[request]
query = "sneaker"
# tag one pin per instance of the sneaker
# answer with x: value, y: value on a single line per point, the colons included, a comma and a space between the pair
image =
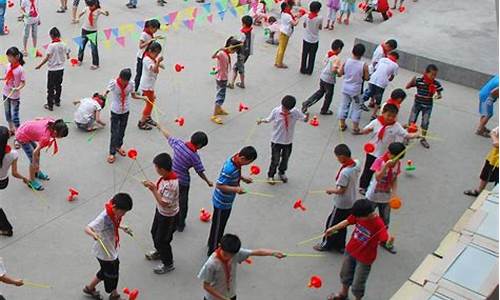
x: 151, y: 122
x: 35, y: 185
x: 271, y: 180
x: 319, y: 248
x: 47, y: 107
x: 425, y: 143
x: 363, y: 107
x: 283, y: 178
x: 230, y: 86
x: 162, y: 269
x: 152, y: 255
x: 389, y: 247
x: 42, y: 176
x: 326, y: 113
x: 92, y: 293
x: 58, y: 104
x: 143, y: 126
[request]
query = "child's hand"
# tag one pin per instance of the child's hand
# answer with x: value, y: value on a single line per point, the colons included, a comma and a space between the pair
x: 18, y: 282
x: 391, y: 163
x: 260, y: 121
x: 38, y: 67
x: 210, y: 183
x: 330, y: 191
x: 330, y: 231
x: 127, y: 230
x: 159, y: 59
x: 150, y: 185
x: 246, y: 180
x: 240, y: 190
x: 279, y: 254
x: 96, y: 236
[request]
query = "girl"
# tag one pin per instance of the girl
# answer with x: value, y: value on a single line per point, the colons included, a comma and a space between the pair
x: 333, y: 7
x: 36, y: 135
x: 29, y: 9
x: 259, y: 13
x: 150, y: 69
x: 346, y: 8
x: 8, y: 160
x: 89, y: 31
x: 147, y: 37
x: 15, y: 80
x: 288, y: 21
x: 89, y: 112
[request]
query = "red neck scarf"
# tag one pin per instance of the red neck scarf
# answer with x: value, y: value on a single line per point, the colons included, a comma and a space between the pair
x: 123, y: 95
x: 33, y: 10
x: 431, y: 84
x: 246, y: 29
x: 116, y: 221
x: 384, y: 48
x: 149, y: 32
x: 330, y: 53
x: 10, y: 73
x: 228, y: 55
x: 191, y: 146
x: 349, y: 163
x: 99, y: 101
x: 312, y: 15
x: 384, y: 123
x: 56, y: 40
x: 386, y: 157
x: 285, y: 118
x: 394, y: 102
x: 169, y: 176
x: 392, y: 58
x: 148, y: 54
x: 91, y: 16
x: 288, y: 10
x: 226, y: 264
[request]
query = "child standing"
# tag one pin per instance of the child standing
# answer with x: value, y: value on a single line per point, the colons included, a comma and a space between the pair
x: 226, y: 188
x: 150, y: 68
x: 288, y: 21
x: 347, y: 7
x: 361, y: 251
x: 313, y: 24
x: 88, y: 112
x: 57, y: 53
x: 244, y: 52
x: 428, y: 88
x: 29, y: 9
x: 355, y: 71
x: 343, y: 199
x: 327, y: 80
x: 284, y: 118
x: 333, y: 7
x: 258, y: 12
x: 219, y: 271
x: 105, y: 232
x: 166, y: 194
x: 15, y: 80
x: 89, y: 27
x: 146, y: 38
x: 186, y: 157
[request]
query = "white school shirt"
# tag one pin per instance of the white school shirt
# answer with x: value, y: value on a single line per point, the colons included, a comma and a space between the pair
x: 58, y: 52
x: 86, y: 110
x: 377, y: 55
x: 148, y: 77
x: 145, y: 37
x: 282, y: 135
x: 114, y: 97
x: 386, y: 68
x: 393, y: 133
x: 327, y: 74
x: 86, y: 23
x: 104, y: 228
x: 311, y: 32
x: 286, y: 26
x: 7, y: 161
x: 26, y: 7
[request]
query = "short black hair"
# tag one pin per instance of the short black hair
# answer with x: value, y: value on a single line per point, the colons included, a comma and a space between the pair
x: 392, y: 43
x: 248, y: 152
x: 122, y: 201
x: 362, y: 208
x: 391, y: 108
x: 126, y: 74
x: 342, y: 150
x: 431, y: 67
x: 288, y: 102
x: 163, y: 161
x: 337, y: 44
x: 230, y: 243
x: 358, y: 50
x: 199, y: 139
x: 283, y: 5
x: 247, y: 20
x: 54, y: 32
x: 395, y: 54
x: 154, y: 47
x: 396, y: 148
x: 153, y: 23
x: 315, y: 6
x: 398, y: 94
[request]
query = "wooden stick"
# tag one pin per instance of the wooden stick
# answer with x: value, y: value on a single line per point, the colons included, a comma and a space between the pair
x: 36, y: 285
x: 303, y: 255
x: 317, y: 192
x: 267, y: 181
x: 311, y: 239
x: 259, y: 194
x: 104, y: 247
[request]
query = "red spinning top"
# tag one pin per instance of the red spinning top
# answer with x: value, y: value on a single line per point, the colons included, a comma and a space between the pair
x: 178, y: 68
x: 205, y: 216
x: 302, y: 11
x: 73, y: 61
x: 402, y: 9
x: 132, y: 294
x: 6, y: 29
x: 314, y: 121
x: 389, y: 13
x: 315, y: 282
x: 369, y: 147
x: 395, y: 203
x: 73, y: 193
x: 132, y: 153
x: 254, y: 170
x: 242, y: 107
x: 10, y: 4
x: 7, y: 149
x: 180, y: 121
x: 299, y: 205
x: 412, y: 128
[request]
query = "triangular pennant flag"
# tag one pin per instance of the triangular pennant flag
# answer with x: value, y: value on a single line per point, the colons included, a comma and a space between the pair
x: 123, y: 29
x: 235, y: 3
x: 195, y: 12
x: 210, y: 18
x: 45, y: 46
x: 140, y: 24
x: 32, y: 52
x: 189, y: 24
x: 115, y: 31
x: 219, y: 5
x: 167, y: 19
x: 221, y: 15
x: 208, y: 7
x: 188, y: 12
x: 107, y: 44
x: 232, y: 10
x: 107, y: 33
x: 224, y: 3
x: 121, y: 41
x: 172, y: 16
x: 92, y: 37
x: 200, y: 19
x: 78, y: 41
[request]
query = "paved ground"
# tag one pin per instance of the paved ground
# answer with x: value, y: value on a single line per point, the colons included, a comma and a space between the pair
x: 49, y: 244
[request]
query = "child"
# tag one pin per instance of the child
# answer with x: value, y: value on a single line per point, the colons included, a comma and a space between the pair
x: 166, y: 194
x: 313, y: 24
x: 57, y: 53
x: 89, y: 27
x: 150, y: 68
x: 387, y: 68
x: 397, y: 98
x: 284, y: 118
x: 488, y: 95
x: 428, y: 88
x: 186, y: 157
x: 226, y: 188
x: 489, y: 173
x: 7, y: 279
x: 343, y: 199
x: 223, y: 57
x: 29, y: 9
x: 272, y: 30
x: 287, y: 21
x: 36, y: 135
x: 327, y: 80
x: 120, y: 91
x: 347, y: 7
x: 146, y: 38
x: 383, y: 185
x: 88, y: 112
x: 381, y: 6
x: 259, y: 13
x: 219, y: 271
x: 383, y: 131
x: 333, y: 7
x: 382, y: 51
x: 105, y: 231
x: 244, y: 52
x: 361, y: 251
x: 15, y: 80
x: 354, y: 71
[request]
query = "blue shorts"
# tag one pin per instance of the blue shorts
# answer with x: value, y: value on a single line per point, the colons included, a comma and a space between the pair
x: 486, y: 106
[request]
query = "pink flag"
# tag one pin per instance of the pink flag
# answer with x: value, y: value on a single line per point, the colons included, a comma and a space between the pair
x: 189, y: 24
x: 121, y: 41
x: 107, y: 33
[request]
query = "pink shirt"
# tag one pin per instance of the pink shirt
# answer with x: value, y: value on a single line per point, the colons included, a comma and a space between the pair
x: 34, y: 131
x: 222, y: 65
x: 19, y: 76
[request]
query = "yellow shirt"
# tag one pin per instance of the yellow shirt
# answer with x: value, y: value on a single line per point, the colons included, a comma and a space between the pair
x: 492, y: 157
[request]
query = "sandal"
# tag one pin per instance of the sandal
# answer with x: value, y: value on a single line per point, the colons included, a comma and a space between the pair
x: 151, y: 122
x: 6, y: 232
x: 425, y: 143
x: 483, y: 133
x: 337, y: 297
x: 122, y: 152
x: 230, y: 86
x: 144, y: 126
x: 42, y: 176
x: 115, y: 297
x: 47, y: 107
x: 343, y: 128
x: 472, y: 193
x: 35, y: 185
x: 356, y: 131
x: 92, y: 293
x: 111, y: 159
x: 240, y: 85
x: 216, y: 120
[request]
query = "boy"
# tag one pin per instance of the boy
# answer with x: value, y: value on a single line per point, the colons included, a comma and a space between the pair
x: 427, y: 88
x: 104, y: 230
x: 354, y: 71
x: 244, y: 52
x: 120, y: 90
x: 186, y: 157
x: 166, y: 194
x: 284, y: 118
x: 397, y: 98
x: 89, y: 112
x: 57, y: 53
x: 381, y: 6
x: 313, y: 24
x: 7, y: 279
x: 343, y: 199
x: 361, y: 251
x: 219, y: 271
x: 386, y: 70
x: 384, y: 184
x: 327, y: 80
x: 488, y: 95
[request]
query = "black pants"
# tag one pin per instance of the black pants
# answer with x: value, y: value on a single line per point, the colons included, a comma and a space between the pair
x: 162, y: 232
x: 366, y: 176
x: 109, y: 274
x: 138, y: 73
x: 219, y: 221
x: 325, y: 89
x: 4, y: 183
x: 233, y: 298
x: 93, y: 47
x: 54, y: 87
x: 279, y: 158
x: 183, y: 205
x: 337, y: 240
x: 118, y: 126
x: 308, y: 57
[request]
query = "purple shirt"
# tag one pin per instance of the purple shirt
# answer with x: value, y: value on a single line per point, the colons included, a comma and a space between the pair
x: 183, y: 160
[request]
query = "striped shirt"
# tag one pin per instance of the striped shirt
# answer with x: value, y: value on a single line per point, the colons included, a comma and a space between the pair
x: 229, y: 175
x: 423, y: 95
x: 169, y: 191
x: 184, y: 159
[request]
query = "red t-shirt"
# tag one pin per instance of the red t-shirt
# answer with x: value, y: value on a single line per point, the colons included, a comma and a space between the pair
x: 367, y: 234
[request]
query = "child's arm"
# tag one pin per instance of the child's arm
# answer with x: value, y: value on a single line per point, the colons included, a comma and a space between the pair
x: 340, y: 72
x: 387, y: 165
x: 214, y: 56
x: 159, y: 198
x: 144, y: 44
x: 204, y: 177
x: 212, y: 291
x: 266, y: 120
x: 76, y: 102
x: 16, y: 173
x: 81, y: 14
x: 247, y: 180
x: 138, y: 97
x: 230, y: 189
x: 104, y: 12
x: 9, y: 280
x: 90, y: 231
x: 44, y: 60
x: 366, y: 72
x: 394, y: 188
x: 339, y: 190
x: 412, y: 83
x: 494, y: 137
x: 98, y: 118
x: 336, y: 227
x: 156, y: 67
x: 267, y: 252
